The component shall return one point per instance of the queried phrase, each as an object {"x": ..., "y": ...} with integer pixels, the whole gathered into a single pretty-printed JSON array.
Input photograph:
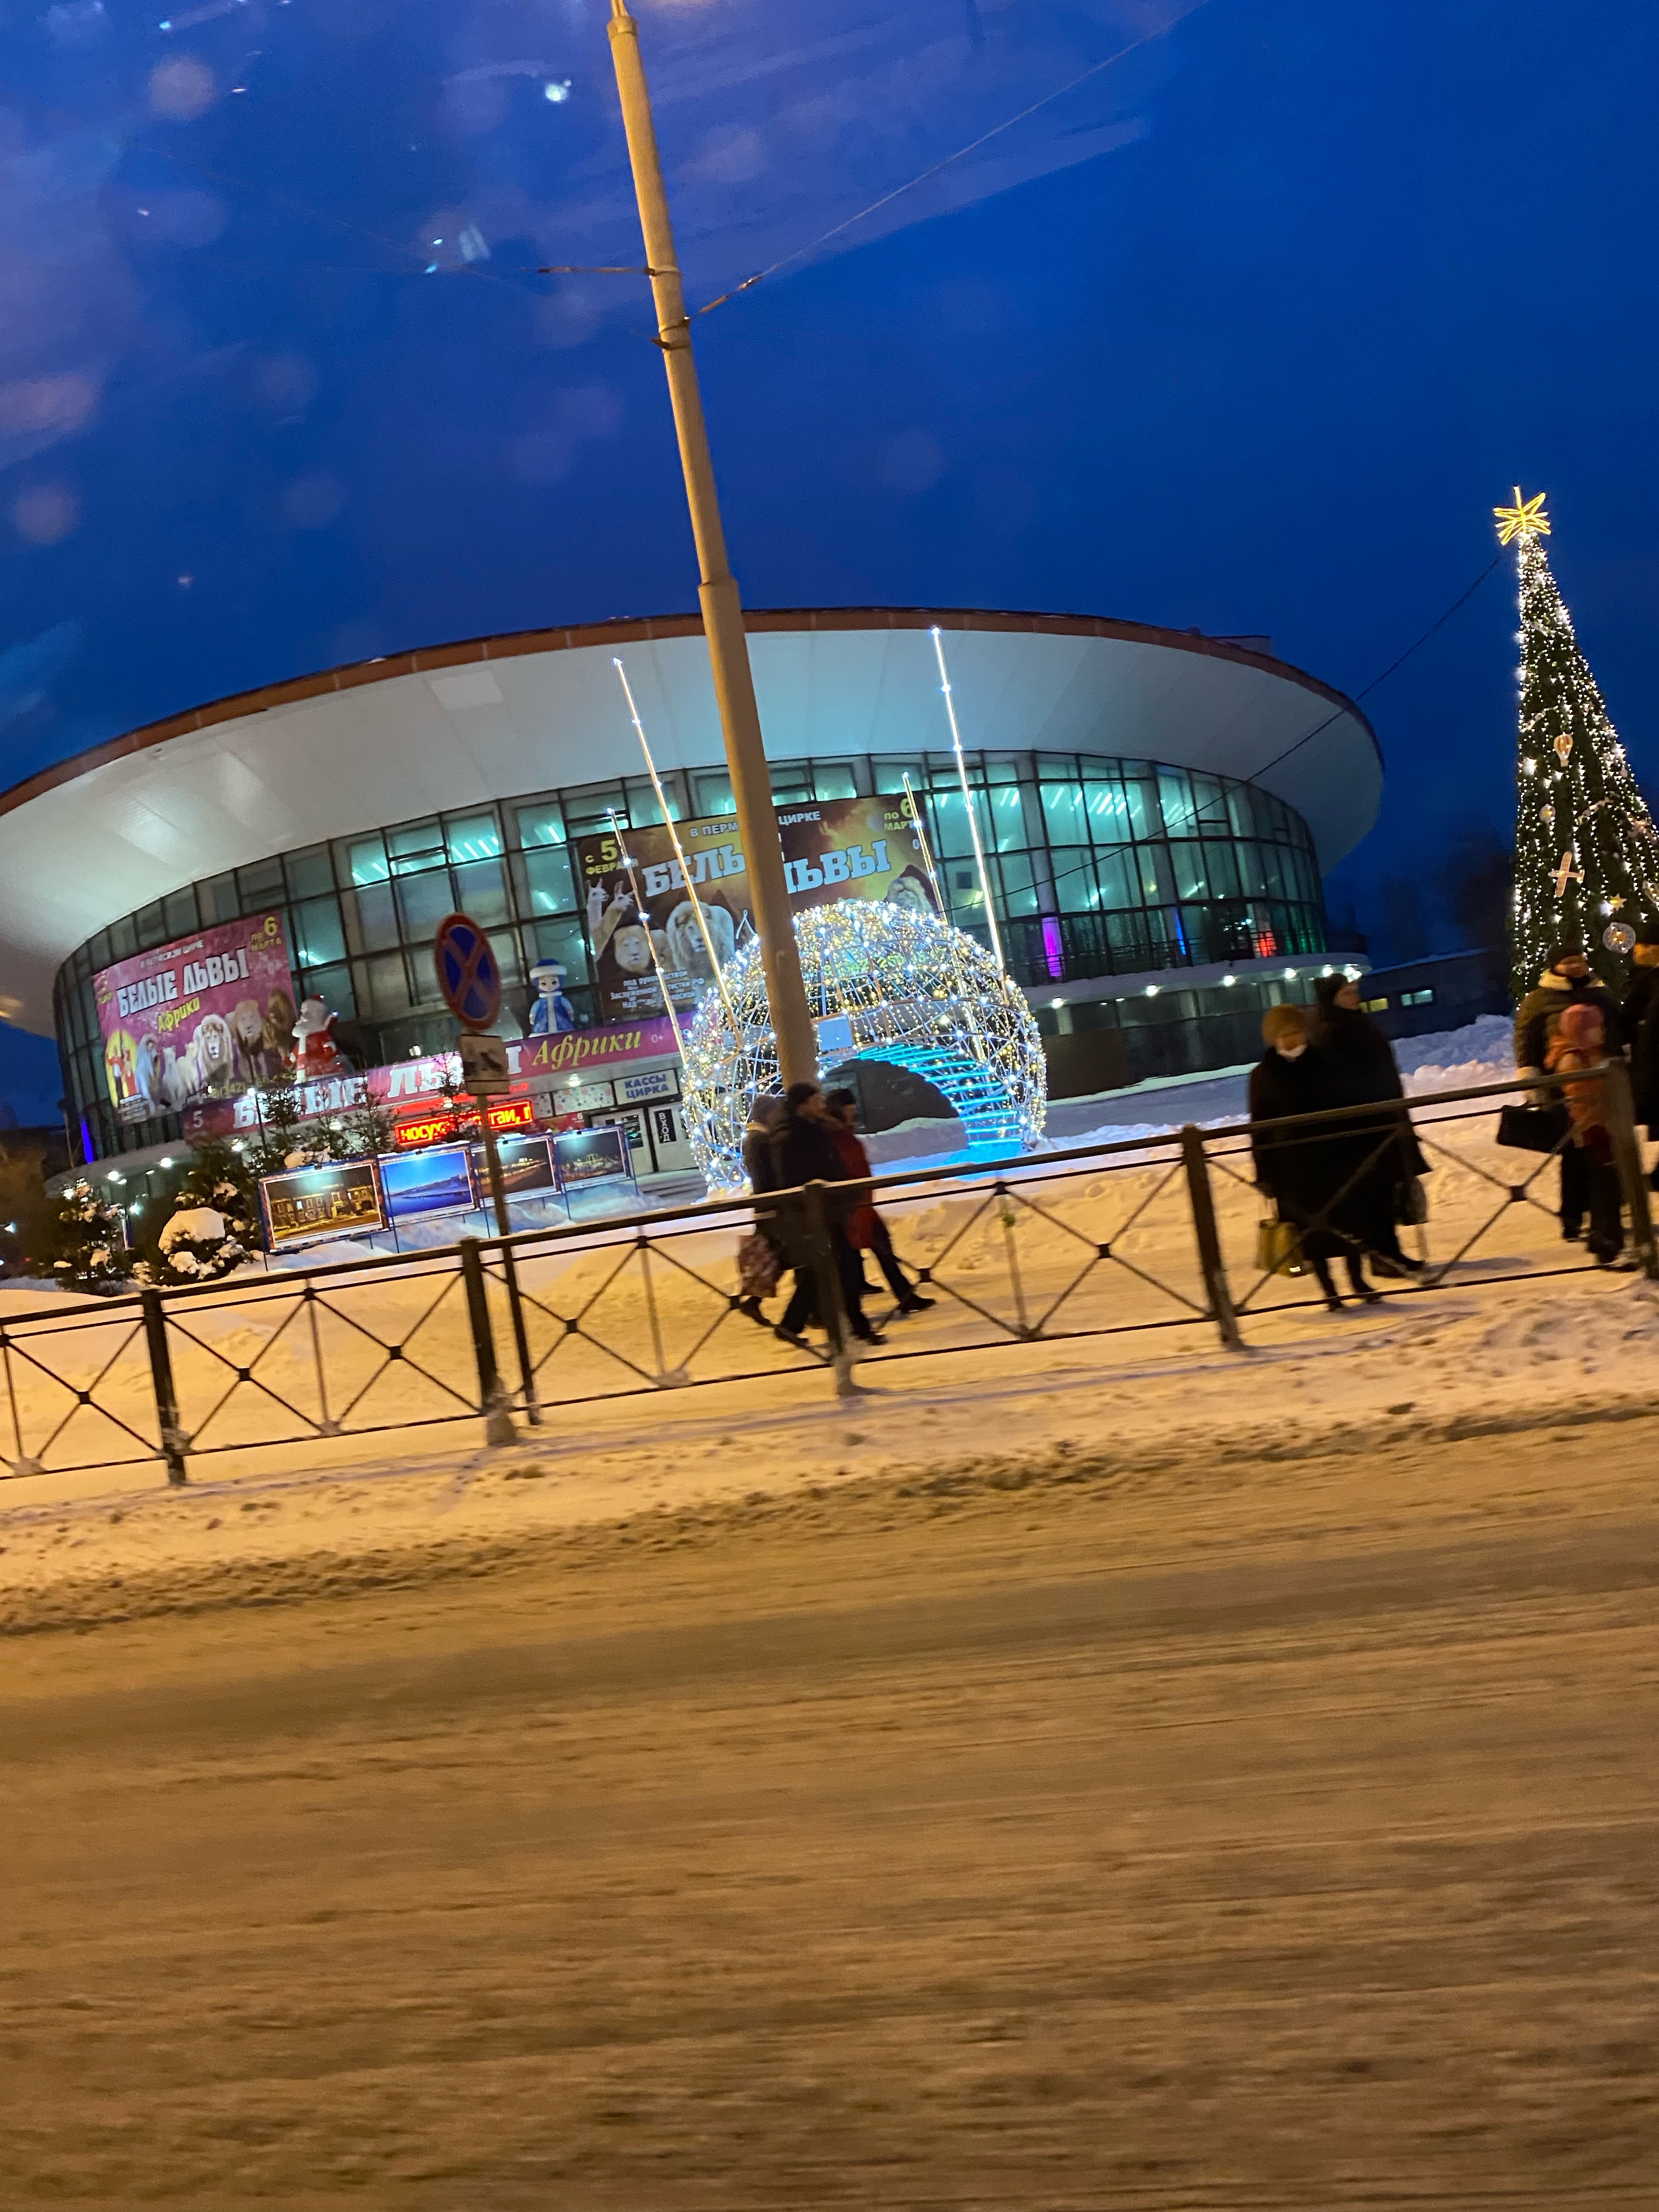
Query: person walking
[
  {"x": 1638, "y": 1019},
  {"x": 1305, "y": 1172},
  {"x": 865, "y": 1230},
  {"x": 1580, "y": 1042},
  {"x": 1359, "y": 1061},
  {"x": 1566, "y": 981},
  {"x": 803, "y": 1150},
  {"x": 761, "y": 1257}
]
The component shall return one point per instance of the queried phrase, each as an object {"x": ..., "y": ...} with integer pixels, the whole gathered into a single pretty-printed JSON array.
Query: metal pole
[
  {"x": 492, "y": 1399},
  {"x": 1210, "y": 1267},
  {"x": 968, "y": 801},
  {"x": 174, "y": 1439},
  {"x": 1627, "y": 1159},
  {"x": 722, "y": 610},
  {"x": 514, "y": 1303}
]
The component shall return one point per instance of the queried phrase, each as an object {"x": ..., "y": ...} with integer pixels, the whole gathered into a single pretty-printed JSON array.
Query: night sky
[{"x": 1249, "y": 331}]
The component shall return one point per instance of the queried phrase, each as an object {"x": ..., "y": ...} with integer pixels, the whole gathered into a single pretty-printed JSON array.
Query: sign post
[{"x": 470, "y": 980}]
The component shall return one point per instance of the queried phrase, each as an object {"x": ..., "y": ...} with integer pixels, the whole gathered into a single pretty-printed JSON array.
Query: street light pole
[{"x": 722, "y": 610}]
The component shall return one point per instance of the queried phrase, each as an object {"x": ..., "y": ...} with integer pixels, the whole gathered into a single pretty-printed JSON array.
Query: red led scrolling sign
[{"x": 502, "y": 1114}]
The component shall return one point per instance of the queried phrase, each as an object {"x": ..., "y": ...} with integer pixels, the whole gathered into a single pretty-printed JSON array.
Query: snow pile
[
  {"x": 197, "y": 1225},
  {"x": 1459, "y": 1060}
]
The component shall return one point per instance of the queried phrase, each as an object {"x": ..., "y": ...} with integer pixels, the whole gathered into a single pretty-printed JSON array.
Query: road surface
[{"x": 1014, "y": 1850}]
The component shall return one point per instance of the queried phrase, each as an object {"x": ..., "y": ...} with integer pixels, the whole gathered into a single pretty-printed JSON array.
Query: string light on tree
[
  {"x": 884, "y": 982},
  {"x": 1585, "y": 845}
]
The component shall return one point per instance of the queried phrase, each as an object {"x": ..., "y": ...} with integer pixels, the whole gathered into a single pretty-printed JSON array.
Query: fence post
[
  {"x": 1202, "y": 1200},
  {"x": 174, "y": 1440},
  {"x": 520, "y": 1336},
  {"x": 826, "y": 1277},
  {"x": 492, "y": 1401},
  {"x": 1627, "y": 1158}
]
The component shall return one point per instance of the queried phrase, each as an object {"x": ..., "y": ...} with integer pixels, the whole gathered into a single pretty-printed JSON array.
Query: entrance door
[{"x": 669, "y": 1141}]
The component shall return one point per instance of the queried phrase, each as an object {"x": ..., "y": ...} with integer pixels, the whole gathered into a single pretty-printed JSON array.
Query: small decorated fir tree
[
  {"x": 88, "y": 1251},
  {"x": 1586, "y": 851},
  {"x": 211, "y": 1225}
]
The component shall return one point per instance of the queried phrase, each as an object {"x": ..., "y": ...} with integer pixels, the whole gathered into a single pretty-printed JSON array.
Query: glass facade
[{"x": 1097, "y": 868}]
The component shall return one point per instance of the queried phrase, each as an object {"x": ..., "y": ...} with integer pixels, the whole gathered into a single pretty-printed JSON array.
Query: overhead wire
[{"x": 934, "y": 168}]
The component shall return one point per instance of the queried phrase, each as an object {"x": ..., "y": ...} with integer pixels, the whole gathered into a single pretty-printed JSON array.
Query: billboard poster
[
  {"x": 436, "y": 1181},
  {"x": 590, "y": 1156},
  {"x": 833, "y": 848},
  {"x": 341, "y": 1199},
  {"x": 526, "y": 1166},
  {"x": 533, "y": 1061},
  {"x": 201, "y": 1018}
]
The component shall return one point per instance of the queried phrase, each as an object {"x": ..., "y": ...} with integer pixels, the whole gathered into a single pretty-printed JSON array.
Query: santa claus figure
[{"x": 315, "y": 1053}]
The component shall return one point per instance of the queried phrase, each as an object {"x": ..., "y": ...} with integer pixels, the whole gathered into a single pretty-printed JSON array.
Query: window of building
[
  {"x": 309, "y": 873},
  {"x": 1417, "y": 997},
  {"x": 422, "y": 902},
  {"x": 473, "y": 837},
  {"x": 319, "y": 938},
  {"x": 1376, "y": 1005},
  {"x": 178, "y": 912},
  {"x": 481, "y": 891},
  {"x": 1064, "y": 815},
  {"x": 546, "y": 881},
  {"x": 414, "y": 849},
  {"x": 261, "y": 886},
  {"x": 365, "y": 862},
  {"x": 541, "y": 824},
  {"x": 835, "y": 780},
  {"x": 711, "y": 792}
]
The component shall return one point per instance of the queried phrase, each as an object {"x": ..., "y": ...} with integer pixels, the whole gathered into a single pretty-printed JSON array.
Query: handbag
[
  {"x": 1411, "y": 1202},
  {"x": 760, "y": 1263},
  {"x": 1533, "y": 1128},
  {"x": 1277, "y": 1248}
]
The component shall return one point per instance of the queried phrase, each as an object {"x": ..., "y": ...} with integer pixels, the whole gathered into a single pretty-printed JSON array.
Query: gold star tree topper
[{"x": 1526, "y": 519}]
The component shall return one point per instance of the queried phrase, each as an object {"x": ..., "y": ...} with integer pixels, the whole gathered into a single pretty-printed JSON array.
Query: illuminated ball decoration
[{"x": 884, "y": 982}]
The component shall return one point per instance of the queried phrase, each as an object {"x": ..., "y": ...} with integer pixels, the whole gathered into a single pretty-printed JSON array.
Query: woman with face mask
[{"x": 1306, "y": 1173}]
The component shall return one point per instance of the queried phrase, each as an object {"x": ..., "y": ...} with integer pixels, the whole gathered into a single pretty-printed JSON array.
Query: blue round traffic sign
[{"x": 468, "y": 973}]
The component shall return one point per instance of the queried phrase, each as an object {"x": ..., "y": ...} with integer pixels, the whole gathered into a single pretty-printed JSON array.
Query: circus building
[{"x": 1155, "y": 810}]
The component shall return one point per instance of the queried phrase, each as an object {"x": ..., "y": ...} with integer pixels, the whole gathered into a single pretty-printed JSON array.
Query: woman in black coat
[
  {"x": 1306, "y": 1172},
  {"x": 1359, "y": 1061}
]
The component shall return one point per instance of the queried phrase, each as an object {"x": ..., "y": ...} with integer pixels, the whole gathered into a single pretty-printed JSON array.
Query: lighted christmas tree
[{"x": 1586, "y": 852}]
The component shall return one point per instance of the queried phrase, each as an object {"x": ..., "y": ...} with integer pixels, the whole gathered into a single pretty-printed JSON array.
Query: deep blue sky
[{"x": 1248, "y": 331}]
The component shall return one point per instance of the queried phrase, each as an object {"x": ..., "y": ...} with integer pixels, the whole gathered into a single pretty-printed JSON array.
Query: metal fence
[{"x": 1148, "y": 1233}]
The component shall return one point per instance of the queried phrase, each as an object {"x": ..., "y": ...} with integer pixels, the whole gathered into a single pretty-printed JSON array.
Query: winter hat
[
  {"x": 1582, "y": 1026},
  {"x": 1326, "y": 990},
  {"x": 1282, "y": 1021},
  {"x": 1561, "y": 952},
  {"x": 1647, "y": 934}
]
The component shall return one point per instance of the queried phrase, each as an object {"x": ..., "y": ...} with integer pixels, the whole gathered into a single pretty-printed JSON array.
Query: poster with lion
[
  {"x": 642, "y": 921},
  {"x": 207, "y": 1016}
]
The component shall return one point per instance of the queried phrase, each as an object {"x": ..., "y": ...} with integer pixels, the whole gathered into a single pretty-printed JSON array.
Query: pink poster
[
  {"x": 533, "y": 1062},
  {"x": 202, "y": 1018}
]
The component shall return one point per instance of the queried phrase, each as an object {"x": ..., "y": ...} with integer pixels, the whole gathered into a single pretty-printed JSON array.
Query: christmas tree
[
  {"x": 1586, "y": 852},
  {"x": 211, "y": 1225},
  {"x": 87, "y": 1249}
]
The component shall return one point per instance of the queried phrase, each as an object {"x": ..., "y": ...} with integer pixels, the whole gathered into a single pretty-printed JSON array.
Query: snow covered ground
[{"x": 1521, "y": 1329}]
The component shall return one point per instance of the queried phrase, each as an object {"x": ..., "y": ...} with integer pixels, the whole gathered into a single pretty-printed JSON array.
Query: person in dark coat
[
  {"x": 1305, "y": 1172},
  {"x": 1359, "y": 1062},
  {"x": 1638, "y": 1018},
  {"x": 757, "y": 1166},
  {"x": 1566, "y": 981},
  {"x": 865, "y": 1230},
  {"x": 803, "y": 1150}
]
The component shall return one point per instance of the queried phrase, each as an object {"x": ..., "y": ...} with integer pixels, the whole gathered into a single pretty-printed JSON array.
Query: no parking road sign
[{"x": 468, "y": 975}]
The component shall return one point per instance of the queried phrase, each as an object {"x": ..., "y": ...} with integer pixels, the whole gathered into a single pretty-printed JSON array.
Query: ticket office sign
[{"x": 641, "y": 919}]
